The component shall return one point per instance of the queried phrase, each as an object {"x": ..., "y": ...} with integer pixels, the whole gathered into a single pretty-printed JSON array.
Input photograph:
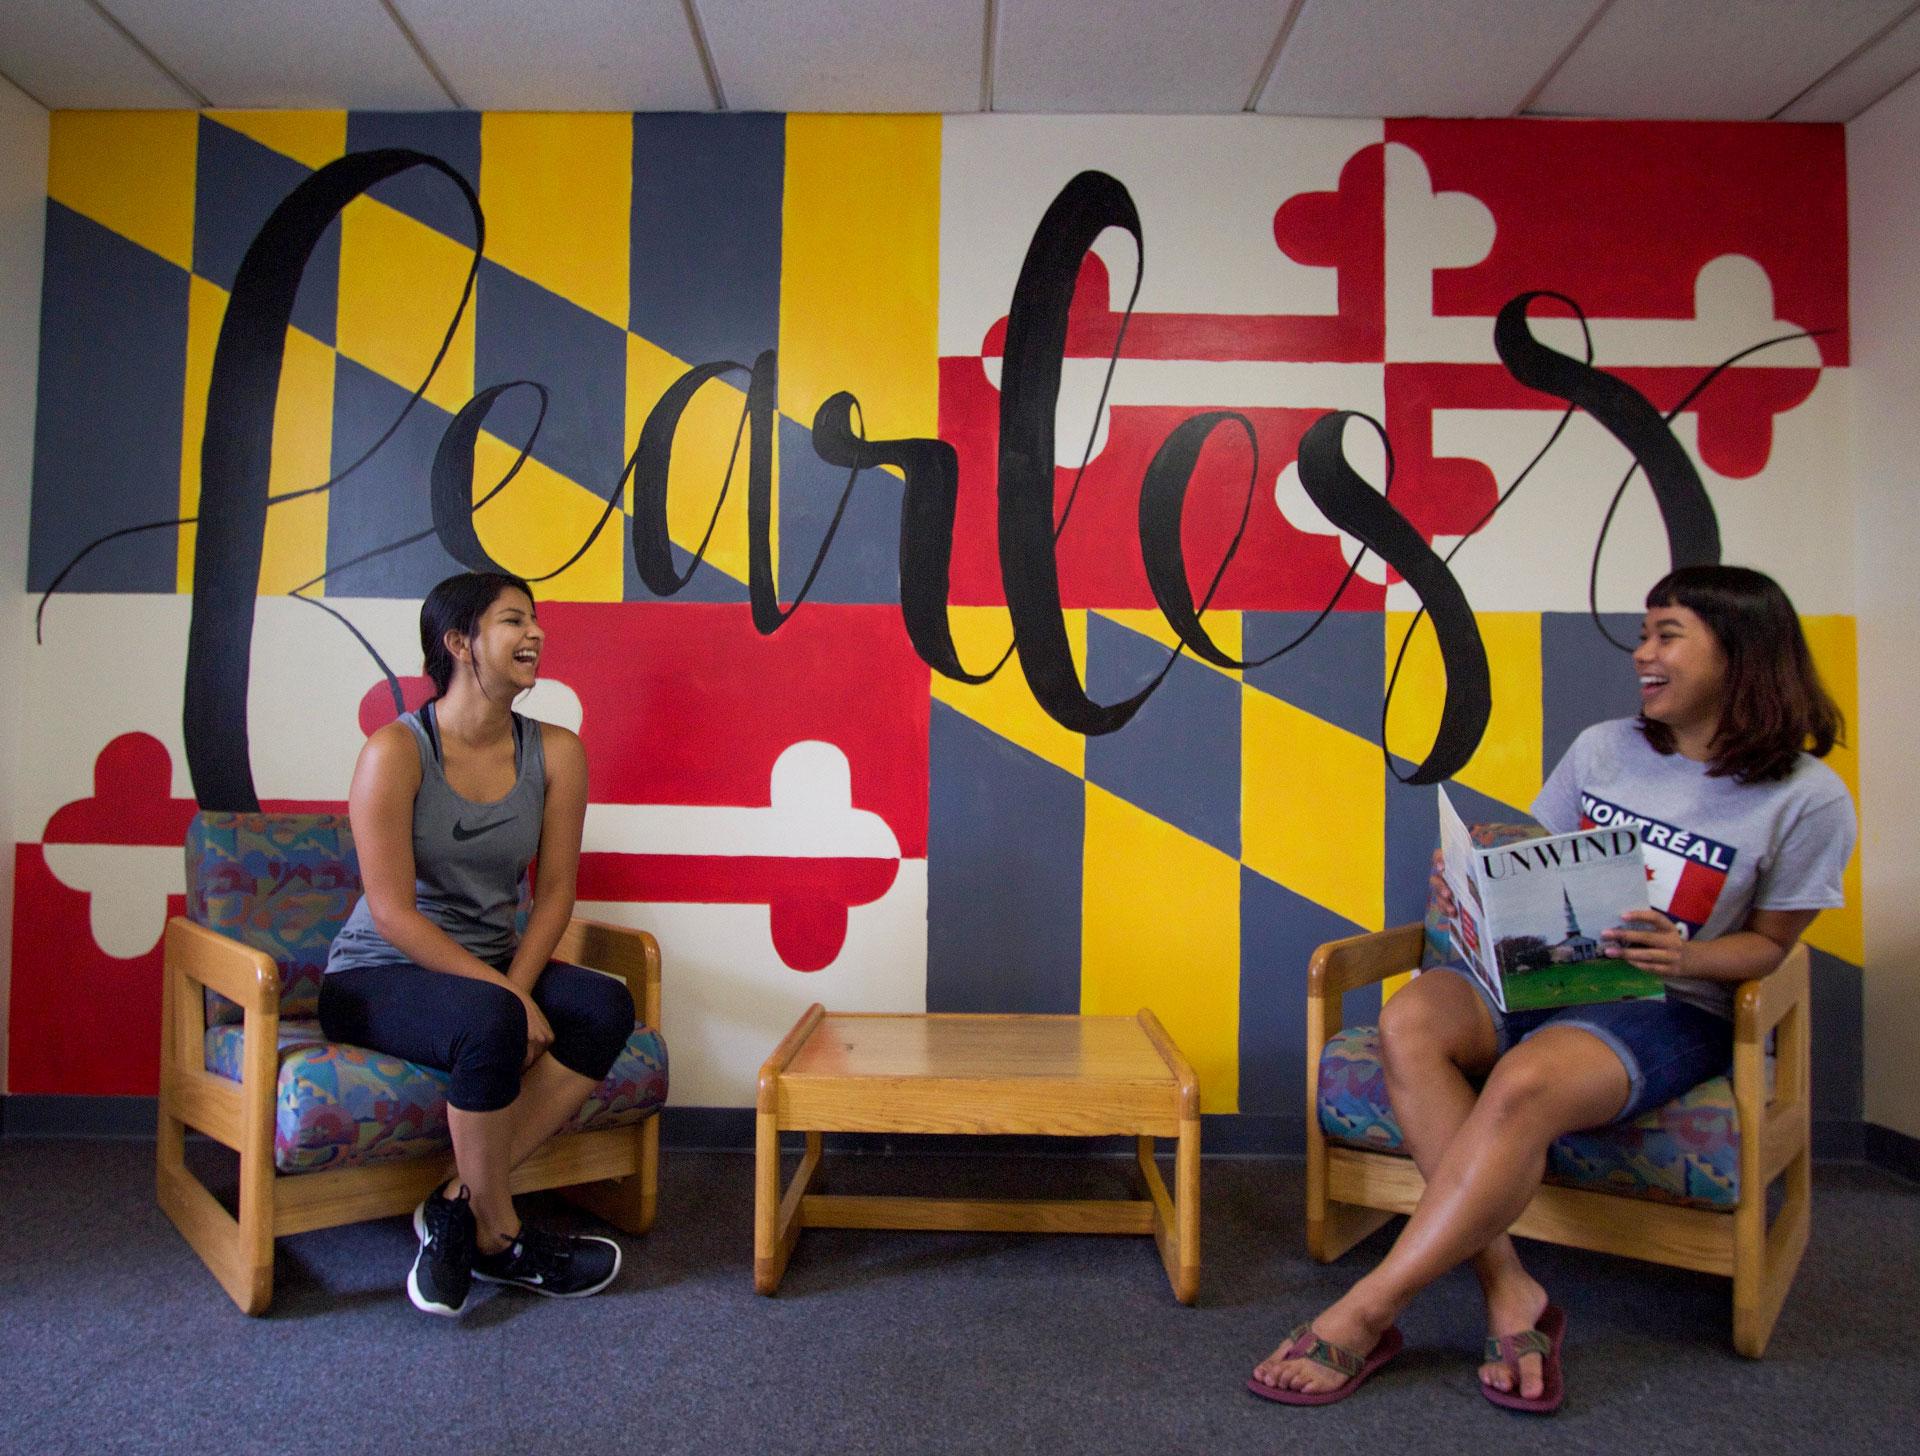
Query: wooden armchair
[
  {"x": 329, "y": 1134},
  {"x": 1352, "y": 1190}
]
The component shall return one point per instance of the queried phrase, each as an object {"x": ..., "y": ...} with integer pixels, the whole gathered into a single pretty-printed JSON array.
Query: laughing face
[
  {"x": 1683, "y": 674},
  {"x": 507, "y": 642}
]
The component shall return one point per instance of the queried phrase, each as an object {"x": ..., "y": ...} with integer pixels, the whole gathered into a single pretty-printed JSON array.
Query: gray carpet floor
[{"x": 113, "y": 1337}]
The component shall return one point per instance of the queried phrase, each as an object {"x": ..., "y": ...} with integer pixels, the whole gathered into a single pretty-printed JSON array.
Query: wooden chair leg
[
  {"x": 1765, "y": 1260},
  {"x": 230, "y": 1248},
  {"x": 627, "y": 1203}
]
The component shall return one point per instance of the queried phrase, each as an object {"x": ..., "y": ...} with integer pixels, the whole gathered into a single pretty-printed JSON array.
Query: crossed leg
[
  {"x": 1482, "y": 1158},
  {"x": 488, "y": 1146}
]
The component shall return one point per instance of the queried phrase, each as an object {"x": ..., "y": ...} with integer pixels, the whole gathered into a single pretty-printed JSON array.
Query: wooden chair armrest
[
  {"x": 1341, "y": 966},
  {"x": 619, "y": 950},
  {"x": 1759, "y": 1004},
  {"x": 221, "y": 963}
]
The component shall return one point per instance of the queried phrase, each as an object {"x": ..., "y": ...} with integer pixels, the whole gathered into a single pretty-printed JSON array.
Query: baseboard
[
  {"x": 731, "y": 1129},
  {"x": 63, "y": 1115},
  {"x": 1892, "y": 1151}
]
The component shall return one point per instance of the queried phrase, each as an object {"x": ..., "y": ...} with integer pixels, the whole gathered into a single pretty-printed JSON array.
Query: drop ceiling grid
[
  {"x": 846, "y": 55},
  {"x": 1864, "y": 80},
  {"x": 1733, "y": 60},
  {"x": 63, "y": 54},
  {"x": 1439, "y": 57},
  {"x": 284, "y": 53},
  {"x": 1168, "y": 56},
  {"x": 585, "y": 55}
]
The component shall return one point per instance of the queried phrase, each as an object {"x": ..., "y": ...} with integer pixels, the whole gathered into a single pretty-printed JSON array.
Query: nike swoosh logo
[{"x": 462, "y": 833}]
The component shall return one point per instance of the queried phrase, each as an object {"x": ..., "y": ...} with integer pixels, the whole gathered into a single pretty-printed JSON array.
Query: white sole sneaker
[
  {"x": 532, "y": 1288},
  {"x": 419, "y": 1297}
]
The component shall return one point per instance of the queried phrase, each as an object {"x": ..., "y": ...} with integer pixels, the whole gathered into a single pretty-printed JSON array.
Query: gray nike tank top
[{"x": 469, "y": 860}]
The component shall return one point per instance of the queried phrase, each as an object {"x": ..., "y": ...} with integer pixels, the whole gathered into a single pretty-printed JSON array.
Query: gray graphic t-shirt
[
  {"x": 469, "y": 860},
  {"x": 1716, "y": 848}
]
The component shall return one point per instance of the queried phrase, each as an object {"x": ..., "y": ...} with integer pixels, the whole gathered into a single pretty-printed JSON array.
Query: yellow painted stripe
[
  {"x": 1832, "y": 641},
  {"x": 558, "y": 195},
  {"x": 699, "y": 463},
  {"x": 400, "y": 282},
  {"x": 1313, "y": 812},
  {"x": 311, "y": 137},
  {"x": 1006, "y": 704},
  {"x": 1507, "y": 764},
  {"x": 132, "y": 171},
  {"x": 1160, "y": 927},
  {"x": 860, "y": 269},
  {"x": 295, "y": 547},
  {"x": 539, "y": 520},
  {"x": 1222, "y": 627}
]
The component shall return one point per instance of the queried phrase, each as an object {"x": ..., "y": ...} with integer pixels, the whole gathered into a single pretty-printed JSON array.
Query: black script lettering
[
  {"x": 236, "y": 462},
  {"x": 1363, "y": 512},
  {"x": 1693, "y": 531},
  {"x": 1029, "y": 394}
]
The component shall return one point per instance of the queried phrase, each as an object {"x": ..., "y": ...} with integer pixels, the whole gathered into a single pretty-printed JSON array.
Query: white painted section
[
  {"x": 726, "y": 999},
  {"x": 847, "y": 55},
  {"x": 1206, "y": 188},
  {"x": 1681, "y": 58},
  {"x": 585, "y": 55},
  {"x": 1131, "y": 55},
  {"x": 70, "y": 58},
  {"x": 23, "y": 207},
  {"x": 1437, "y": 58},
  {"x": 285, "y": 53},
  {"x": 1884, "y": 228},
  {"x": 810, "y": 815}
]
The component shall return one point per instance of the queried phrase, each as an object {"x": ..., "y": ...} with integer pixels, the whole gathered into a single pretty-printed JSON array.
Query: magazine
[{"x": 1528, "y": 915}]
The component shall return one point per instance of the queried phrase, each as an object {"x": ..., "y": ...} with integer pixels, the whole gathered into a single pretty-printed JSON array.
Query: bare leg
[
  {"x": 1433, "y": 1034},
  {"x": 1559, "y": 1080},
  {"x": 488, "y": 1146}
]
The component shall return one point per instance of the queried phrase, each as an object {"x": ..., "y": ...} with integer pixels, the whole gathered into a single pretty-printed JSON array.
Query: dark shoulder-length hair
[
  {"x": 457, "y": 605},
  {"x": 1774, "y": 707}
]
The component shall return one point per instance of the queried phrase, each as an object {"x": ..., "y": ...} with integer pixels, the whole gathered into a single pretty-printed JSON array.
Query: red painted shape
[
  {"x": 1344, "y": 229},
  {"x": 1447, "y": 496},
  {"x": 376, "y": 705},
  {"x": 685, "y": 703},
  {"x": 80, "y": 1019},
  {"x": 132, "y": 799},
  {"x": 808, "y": 897},
  {"x": 1277, "y": 568},
  {"x": 1622, "y": 215}
]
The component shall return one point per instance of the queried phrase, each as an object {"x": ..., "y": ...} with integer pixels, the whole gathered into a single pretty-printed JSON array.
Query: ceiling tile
[
  {"x": 69, "y": 58},
  {"x": 585, "y": 55},
  {"x": 285, "y": 53},
  {"x": 1738, "y": 60},
  {"x": 1438, "y": 58},
  {"x": 847, "y": 55},
  {"x": 1132, "y": 55},
  {"x": 1863, "y": 80}
]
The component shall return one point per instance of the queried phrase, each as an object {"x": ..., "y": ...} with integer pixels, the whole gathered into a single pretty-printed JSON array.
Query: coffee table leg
[
  {"x": 776, "y": 1218},
  {"x": 1176, "y": 1218}
]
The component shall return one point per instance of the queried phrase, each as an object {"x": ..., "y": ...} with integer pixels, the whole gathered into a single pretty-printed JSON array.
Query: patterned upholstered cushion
[
  {"x": 1685, "y": 1152},
  {"x": 339, "y": 1106},
  {"x": 281, "y": 883}
]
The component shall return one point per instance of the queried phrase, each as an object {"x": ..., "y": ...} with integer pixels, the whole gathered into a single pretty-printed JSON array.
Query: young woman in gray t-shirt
[
  {"x": 1747, "y": 833},
  {"x": 450, "y": 805}
]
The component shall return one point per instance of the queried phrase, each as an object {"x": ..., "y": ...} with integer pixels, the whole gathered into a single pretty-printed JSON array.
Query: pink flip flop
[
  {"x": 1303, "y": 1343},
  {"x": 1544, "y": 1340}
]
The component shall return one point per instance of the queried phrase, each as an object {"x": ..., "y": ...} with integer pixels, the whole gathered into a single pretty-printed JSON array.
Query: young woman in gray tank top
[{"x": 450, "y": 806}]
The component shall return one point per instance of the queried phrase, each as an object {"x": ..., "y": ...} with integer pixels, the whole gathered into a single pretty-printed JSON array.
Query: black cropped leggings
[{"x": 477, "y": 1030}]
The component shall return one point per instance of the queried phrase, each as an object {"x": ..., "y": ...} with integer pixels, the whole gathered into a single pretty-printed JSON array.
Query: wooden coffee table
[{"x": 1064, "y": 1076}]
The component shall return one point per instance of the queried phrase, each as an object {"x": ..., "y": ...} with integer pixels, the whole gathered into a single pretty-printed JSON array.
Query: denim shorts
[{"x": 1668, "y": 1047}]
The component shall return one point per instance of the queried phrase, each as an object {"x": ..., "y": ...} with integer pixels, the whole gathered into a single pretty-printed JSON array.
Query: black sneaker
[
  {"x": 442, "y": 1274},
  {"x": 561, "y": 1266}
]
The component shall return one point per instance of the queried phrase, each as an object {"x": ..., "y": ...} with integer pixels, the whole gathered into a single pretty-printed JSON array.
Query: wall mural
[{"x": 1019, "y": 564}]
